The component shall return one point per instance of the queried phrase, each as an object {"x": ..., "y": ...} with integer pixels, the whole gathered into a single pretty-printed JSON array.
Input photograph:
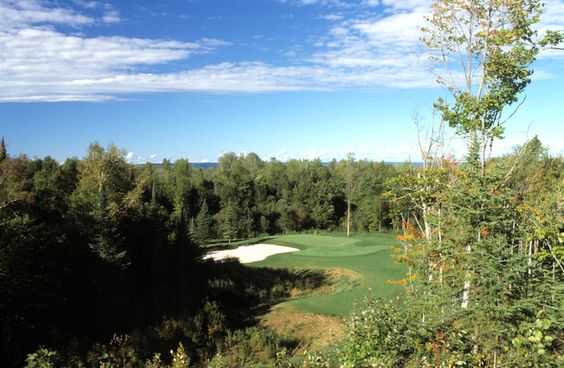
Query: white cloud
[
  {"x": 42, "y": 63},
  {"x": 337, "y": 3},
  {"x": 404, "y": 4},
  {"x": 134, "y": 158},
  {"x": 350, "y": 4},
  {"x": 553, "y": 15},
  {"x": 42, "y": 56},
  {"x": 225, "y": 77},
  {"x": 382, "y": 50},
  {"x": 111, "y": 16},
  {"x": 332, "y": 17},
  {"x": 87, "y": 4},
  {"x": 15, "y": 13}
]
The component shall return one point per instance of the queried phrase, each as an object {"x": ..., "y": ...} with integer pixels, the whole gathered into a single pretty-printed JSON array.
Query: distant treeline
[
  {"x": 213, "y": 165},
  {"x": 242, "y": 195}
]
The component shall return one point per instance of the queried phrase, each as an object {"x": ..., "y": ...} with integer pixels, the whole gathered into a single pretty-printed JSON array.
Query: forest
[
  {"x": 122, "y": 244},
  {"x": 102, "y": 262}
]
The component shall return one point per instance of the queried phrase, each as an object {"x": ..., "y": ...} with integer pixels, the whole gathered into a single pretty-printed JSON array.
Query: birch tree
[{"x": 485, "y": 48}]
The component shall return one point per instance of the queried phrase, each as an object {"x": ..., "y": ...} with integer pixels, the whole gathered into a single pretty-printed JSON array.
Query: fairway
[{"x": 368, "y": 255}]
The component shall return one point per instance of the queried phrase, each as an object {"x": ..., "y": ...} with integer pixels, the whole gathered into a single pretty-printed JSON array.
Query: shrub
[
  {"x": 379, "y": 334},
  {"x": 120, "y": 352},
  {"x": 42, "y": 358},
  {"x": 252, "y": 347}
]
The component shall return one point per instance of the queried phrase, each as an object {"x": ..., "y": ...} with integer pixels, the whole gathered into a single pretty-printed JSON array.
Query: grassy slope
[{"x": 366, "y": 254}]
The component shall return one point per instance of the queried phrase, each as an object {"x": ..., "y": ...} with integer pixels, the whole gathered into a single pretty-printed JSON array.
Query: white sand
[{"x": 250, "y": 253}]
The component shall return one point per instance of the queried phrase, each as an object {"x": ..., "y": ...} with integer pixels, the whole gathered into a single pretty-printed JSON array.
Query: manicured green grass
[{"x": 367, "y": 254}]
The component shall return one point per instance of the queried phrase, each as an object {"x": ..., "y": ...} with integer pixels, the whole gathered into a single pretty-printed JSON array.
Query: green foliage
[
  {"x": 379, "y": 334},
  {"x": 41, "y": 358},
  {"x": 179, "y": 358},
  {"x": 252, "y": 347},
  {"x": 100, "y": 238},
  {"x": 272, "y": 197},
  {"x": 228, "y": 220},
  {"x": 180, "y": 186},
  {"x": 495, "y": 43},
  {"x": 203, "y": 224},
  {"x": 481, "y": 240},
  {"x": 104, "y": 180},
  {"x": 3, "y": 150},
  {"x": 88, "y": 249},
  {"x": 155, "y": 362},
  {"x": 474, "y": 281},
  {"x": 533, "y": 342},
  {"x": 123, "y": 235},
  {"x": 552, "y": 39},
  {"x": 120, "y": 352}
]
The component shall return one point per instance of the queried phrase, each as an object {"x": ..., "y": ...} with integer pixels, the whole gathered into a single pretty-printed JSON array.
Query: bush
[
  {"x": 252, "y": 347},
  {"x": 120, "y": 352},
  {"x": 379, "y": 334},
  {"x": 42, "y": 358}
]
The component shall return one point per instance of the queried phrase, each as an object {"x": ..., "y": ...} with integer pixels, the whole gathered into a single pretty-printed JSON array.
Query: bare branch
[{"x": 554, "y": 256}]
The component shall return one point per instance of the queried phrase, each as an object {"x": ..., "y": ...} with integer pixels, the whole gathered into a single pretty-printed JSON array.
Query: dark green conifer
[
  {"x": 203, "y": 223},
  {"x": 3, "y": 151}
]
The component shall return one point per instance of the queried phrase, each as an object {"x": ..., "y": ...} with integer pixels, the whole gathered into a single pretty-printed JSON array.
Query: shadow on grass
[{"x": 249, "y": 292}]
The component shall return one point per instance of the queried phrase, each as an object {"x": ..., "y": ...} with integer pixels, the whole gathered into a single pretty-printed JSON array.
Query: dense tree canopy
[{"x": 116, "y": 242}]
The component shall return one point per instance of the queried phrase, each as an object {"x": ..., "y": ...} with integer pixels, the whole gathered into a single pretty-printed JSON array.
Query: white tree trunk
[
  {"x": 467, "y": 283},
  {"x": 466, "y": 289},
  {"x": 426, "y": 225},
  {"x": 530, "y": 258}
]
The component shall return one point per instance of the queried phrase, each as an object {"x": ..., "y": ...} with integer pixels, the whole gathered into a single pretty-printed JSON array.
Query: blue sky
[{"x": 196, "y": 78}]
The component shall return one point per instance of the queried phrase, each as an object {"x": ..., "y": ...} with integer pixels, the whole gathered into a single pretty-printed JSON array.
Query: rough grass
[
  {"x": 368, "y": 255},
  {"x": 286, "y": 320}
]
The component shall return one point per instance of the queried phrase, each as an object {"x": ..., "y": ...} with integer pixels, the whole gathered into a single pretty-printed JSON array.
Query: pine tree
[
  {"x": 228, "y": 224},
  {"x": 3, "y": 151},
  {"x": 203, "y": 223}
]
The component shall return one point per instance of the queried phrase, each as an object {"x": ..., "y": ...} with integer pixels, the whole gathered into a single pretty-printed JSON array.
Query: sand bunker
[{"x": 250, "y": 253}]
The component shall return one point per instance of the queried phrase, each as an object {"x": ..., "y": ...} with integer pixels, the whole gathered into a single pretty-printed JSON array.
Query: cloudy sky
[{"x": 196, "y": 78}]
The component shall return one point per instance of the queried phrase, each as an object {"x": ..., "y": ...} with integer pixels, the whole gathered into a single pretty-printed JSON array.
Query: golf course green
[{"x": 368, "y": 255}]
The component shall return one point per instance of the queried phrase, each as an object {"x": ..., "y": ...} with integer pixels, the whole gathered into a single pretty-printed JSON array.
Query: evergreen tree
[
  {"x": 181, "y": 187},
  {"x": 3, "y": 150},
  {"x": 203, "y": 223},
  {"x": 228, "y": 223}
]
